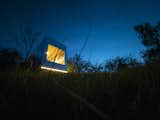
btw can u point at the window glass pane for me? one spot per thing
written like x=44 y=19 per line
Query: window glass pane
x=55 y=54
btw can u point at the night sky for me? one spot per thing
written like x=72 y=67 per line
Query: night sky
x=110 y=23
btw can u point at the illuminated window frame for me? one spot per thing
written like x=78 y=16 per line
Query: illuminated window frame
x=55 y=54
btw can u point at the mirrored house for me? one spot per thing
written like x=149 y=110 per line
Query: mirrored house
x=53 y=56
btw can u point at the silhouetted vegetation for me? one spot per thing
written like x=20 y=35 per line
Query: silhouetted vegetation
x=121 y=63
x=131 y=93
x=33 y=63
x=9 y=59
x=150 y=36
x=77 y=64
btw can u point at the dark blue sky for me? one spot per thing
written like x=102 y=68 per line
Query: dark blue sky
x=111 y=22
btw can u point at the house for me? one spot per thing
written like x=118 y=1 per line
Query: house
x=53 y=56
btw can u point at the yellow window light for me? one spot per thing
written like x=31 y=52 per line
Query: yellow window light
x=55 y=54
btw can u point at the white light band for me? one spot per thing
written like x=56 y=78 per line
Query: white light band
x=53 y=69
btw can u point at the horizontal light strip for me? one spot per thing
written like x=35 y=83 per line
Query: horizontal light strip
x=52 y=69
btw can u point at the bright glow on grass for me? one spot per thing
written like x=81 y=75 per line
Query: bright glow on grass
x=52 y=69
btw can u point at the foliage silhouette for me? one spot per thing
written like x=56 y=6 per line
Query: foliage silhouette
x=33 y=63
x=9 y=58
x=150 y=36
x=77 y=64
x=120 y=63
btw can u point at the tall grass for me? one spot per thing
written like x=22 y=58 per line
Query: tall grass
x=130 y=94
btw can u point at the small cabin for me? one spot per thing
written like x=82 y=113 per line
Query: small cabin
x=54 y=56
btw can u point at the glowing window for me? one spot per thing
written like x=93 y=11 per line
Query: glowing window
x=55 y=54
